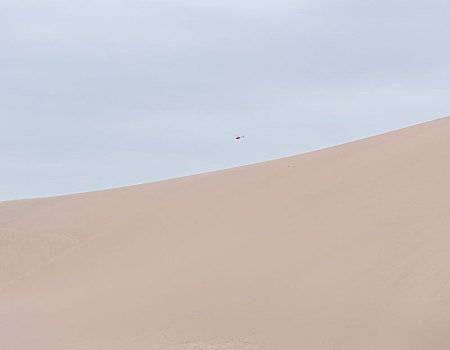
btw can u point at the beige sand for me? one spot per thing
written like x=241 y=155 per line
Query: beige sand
x=344 y=248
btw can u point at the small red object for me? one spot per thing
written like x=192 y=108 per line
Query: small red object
x=239 y=137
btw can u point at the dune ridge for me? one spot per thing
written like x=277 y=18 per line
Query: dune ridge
x=342 y=248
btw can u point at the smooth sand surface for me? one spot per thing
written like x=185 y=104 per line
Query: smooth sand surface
x=344 y=248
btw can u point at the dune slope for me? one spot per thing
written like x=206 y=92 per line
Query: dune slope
x=343 y=248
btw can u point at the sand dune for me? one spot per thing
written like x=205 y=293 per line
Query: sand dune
x=343 y=248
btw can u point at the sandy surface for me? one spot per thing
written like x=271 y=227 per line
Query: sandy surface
x=343 y=248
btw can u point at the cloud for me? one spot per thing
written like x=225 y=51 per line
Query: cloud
x=107 y=86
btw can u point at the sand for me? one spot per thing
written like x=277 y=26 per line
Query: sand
x=342 y=248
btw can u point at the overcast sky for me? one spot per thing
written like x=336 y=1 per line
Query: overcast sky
x=105 y=93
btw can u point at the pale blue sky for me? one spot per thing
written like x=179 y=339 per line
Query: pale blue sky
x=106 y=93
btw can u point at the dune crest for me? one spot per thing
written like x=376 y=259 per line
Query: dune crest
x=342 y=248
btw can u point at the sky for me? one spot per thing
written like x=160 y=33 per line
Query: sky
x=97 y=94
